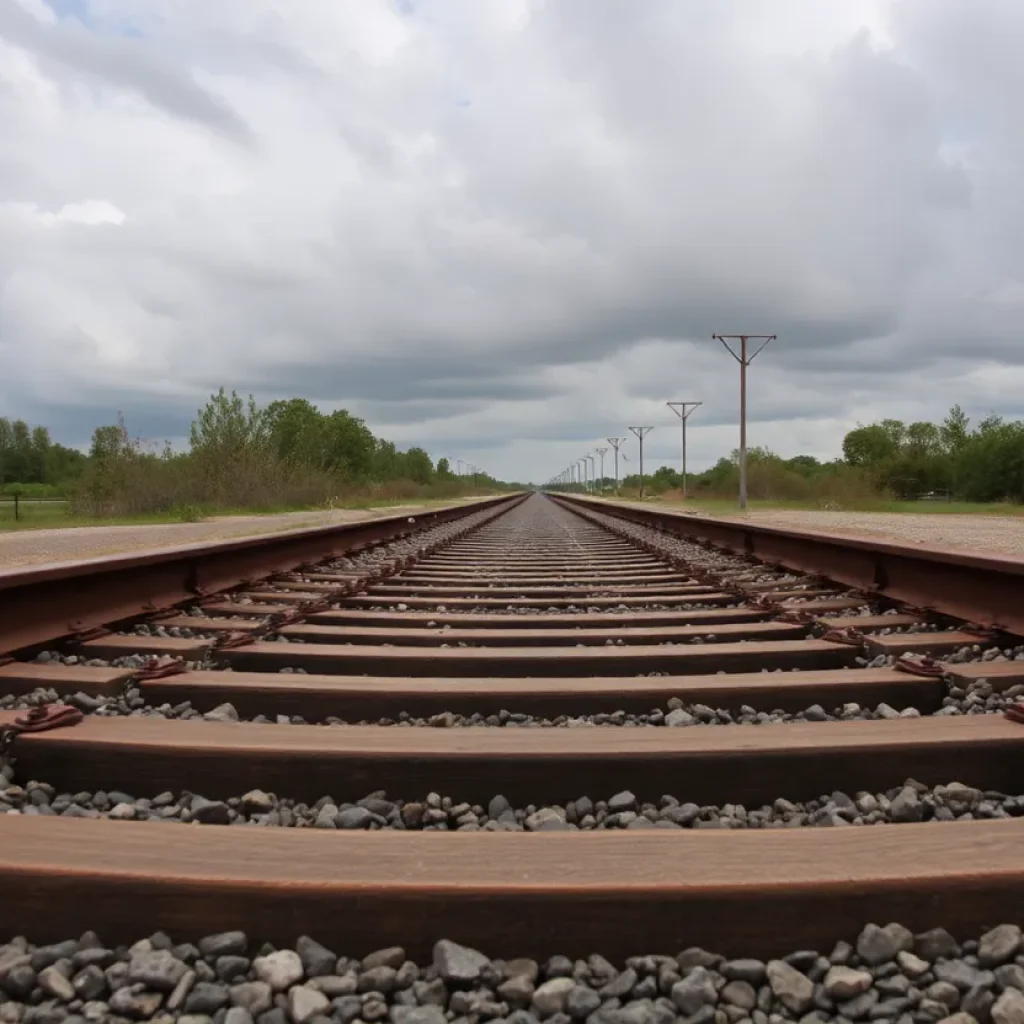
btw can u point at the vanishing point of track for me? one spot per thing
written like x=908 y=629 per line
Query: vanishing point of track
x=647 y=732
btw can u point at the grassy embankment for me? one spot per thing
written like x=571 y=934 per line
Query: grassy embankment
x=54 y=515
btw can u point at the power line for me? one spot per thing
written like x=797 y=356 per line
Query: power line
x=683 y=411
x=641 y=432
x=602 y=452
x=744 y=360
x=615 y=442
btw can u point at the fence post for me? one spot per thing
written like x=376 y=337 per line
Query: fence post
x=17 y=514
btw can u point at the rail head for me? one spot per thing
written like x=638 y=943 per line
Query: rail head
x=981 y=589
x=47 y=602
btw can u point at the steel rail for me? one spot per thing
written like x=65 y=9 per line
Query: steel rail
x=51 y=602
x=984 y=590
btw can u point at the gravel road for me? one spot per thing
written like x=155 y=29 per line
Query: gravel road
x=1002 y=534
x=40 y=547
x=990 y=533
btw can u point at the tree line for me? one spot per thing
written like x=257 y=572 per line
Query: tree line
x=29 y=457
x=240 y=456
x=889 y=459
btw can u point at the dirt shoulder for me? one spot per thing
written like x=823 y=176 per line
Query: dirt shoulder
x=73 y=544
x=988 y=533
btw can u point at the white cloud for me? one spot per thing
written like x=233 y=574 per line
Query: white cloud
x=509 y=229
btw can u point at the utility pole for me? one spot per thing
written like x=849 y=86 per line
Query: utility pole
x=744 y=360
x=590 y=459
x=582 y=463
x=683 y=410
x=641 y=432
x=602 y=452
x=615 y=442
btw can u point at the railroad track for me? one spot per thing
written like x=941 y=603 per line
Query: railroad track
x=731 y=741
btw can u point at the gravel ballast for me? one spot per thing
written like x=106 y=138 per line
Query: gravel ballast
x=910 y=803
x=978 y=699
x=884 y=973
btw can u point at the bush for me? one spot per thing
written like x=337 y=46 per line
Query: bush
x=241 y=457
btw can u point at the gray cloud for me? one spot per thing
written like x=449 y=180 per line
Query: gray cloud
x=510 y=229
x=121 y=62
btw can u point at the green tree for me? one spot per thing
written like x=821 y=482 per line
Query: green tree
x=418 y=466
x=871 y=446
x=353 y=446
x=227 y=426
x=954 y=430
x=296 y=432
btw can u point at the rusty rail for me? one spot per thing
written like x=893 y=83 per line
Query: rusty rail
x=980 y=589
x=52 y=602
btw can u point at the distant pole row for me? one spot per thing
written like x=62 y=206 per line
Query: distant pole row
x=572 y=478
x=467 y=469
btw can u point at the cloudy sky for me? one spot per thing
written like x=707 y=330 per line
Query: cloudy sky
x=505 y=229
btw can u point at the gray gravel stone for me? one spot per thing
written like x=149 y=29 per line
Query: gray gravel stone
x=304 y=1003
x=354 y=817
x=694 y=991
x=911 y=964
x=935 y=944
x=740 y=993
x=19 y=980
x=1010 y=976
x=875 y=945
x=581 y=1002
x=56 y=984
x=89 y=983
x=392 y=956
x=1009 y=1007
x=458 y=964
x=417 y=1015
x=137 y=1005
x=550 y=997
x=210 y=812
x=315 y=958
x=999 y=945
x=843 y=983
x=223 y=944
x=207 y=997
x=696 y=986
x=176 y=1000
x=752 y=971
x=517 y=990
x=794 y=990
x=279 y=970
x=255 y=997
x=157 y=970
x=962 y=974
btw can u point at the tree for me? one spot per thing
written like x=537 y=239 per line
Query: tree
x=991 y=464
x=954 y=430
x=109 y=442
x=417 y=466
x=869 y=446
x=443 y=469
x=295 y=432
x=352 y=445
x=228 y=426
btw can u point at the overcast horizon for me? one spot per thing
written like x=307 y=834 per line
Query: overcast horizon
x=503 y=231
